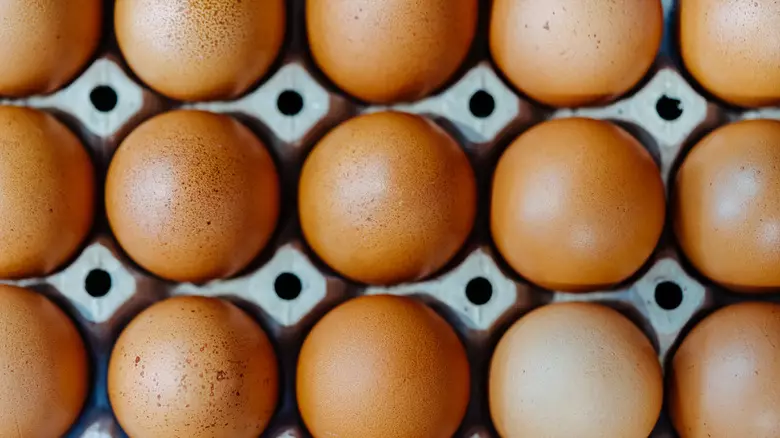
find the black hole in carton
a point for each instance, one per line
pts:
(669, 108)
(103, 98)
(288, 286)
(668, 295)
(482, 104)
(289, 102)
(98, 283)
(479, 290)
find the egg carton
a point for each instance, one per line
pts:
(288, 289)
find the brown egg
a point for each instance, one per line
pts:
(725, 377)
(578, 204)
(387, 51)
(192, 196)
(200, 50)
(381, 366)
(47, 193)
(575, 370)
(573, 53)
(732, 48)
(44, 373)
(193, 367)
(387, 198)
(727, 206)
(46, 43)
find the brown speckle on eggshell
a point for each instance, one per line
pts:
(574, 53)
(44, 370)
(387, 198)
(193, 367)
(575, 370)
(47, 193)
(387, 51)
(45, 43)
(200, 49)
(577, 204)
(381, 366)
(192, 196)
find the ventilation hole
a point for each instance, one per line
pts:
(289, 102)
(668, 295)
(288, 286)
(669, 108)
(479, 290)
(103, 98)
(482, 104)
(98, 283)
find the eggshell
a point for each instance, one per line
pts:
(727, 206)
(193, 367)
(573, 53)
(575, 370)
(47, 193)
(381, 366)
(200, 50)
(732, 48)
(44, 373)
(386, 51)
(387, 198)
(46, 43)
(192, 196)
(578, 204)
(725, 377)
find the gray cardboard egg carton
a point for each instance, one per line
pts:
(476, 292)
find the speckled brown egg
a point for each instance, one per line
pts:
(732, 48)
(47, 193)
(46, 43)
(44, 372)
(200, 49)
(193, 367)
(578, 204)
(387, 198)
(192, 196)
(573, 53)
(575, 370)
(727, 206)
(381, 366)
(385, 51)
(724, 379)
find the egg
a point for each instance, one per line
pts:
(44, 370)
(200, 50)
(387, 198)
(574, 53)
(390, 50)
(732, 48)
(575, 369)
(725, 377)
(193, 367)
(46, 43)
(192, 196)
(47, 193)
(380, 366)
(727, 206)
(577, 204)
